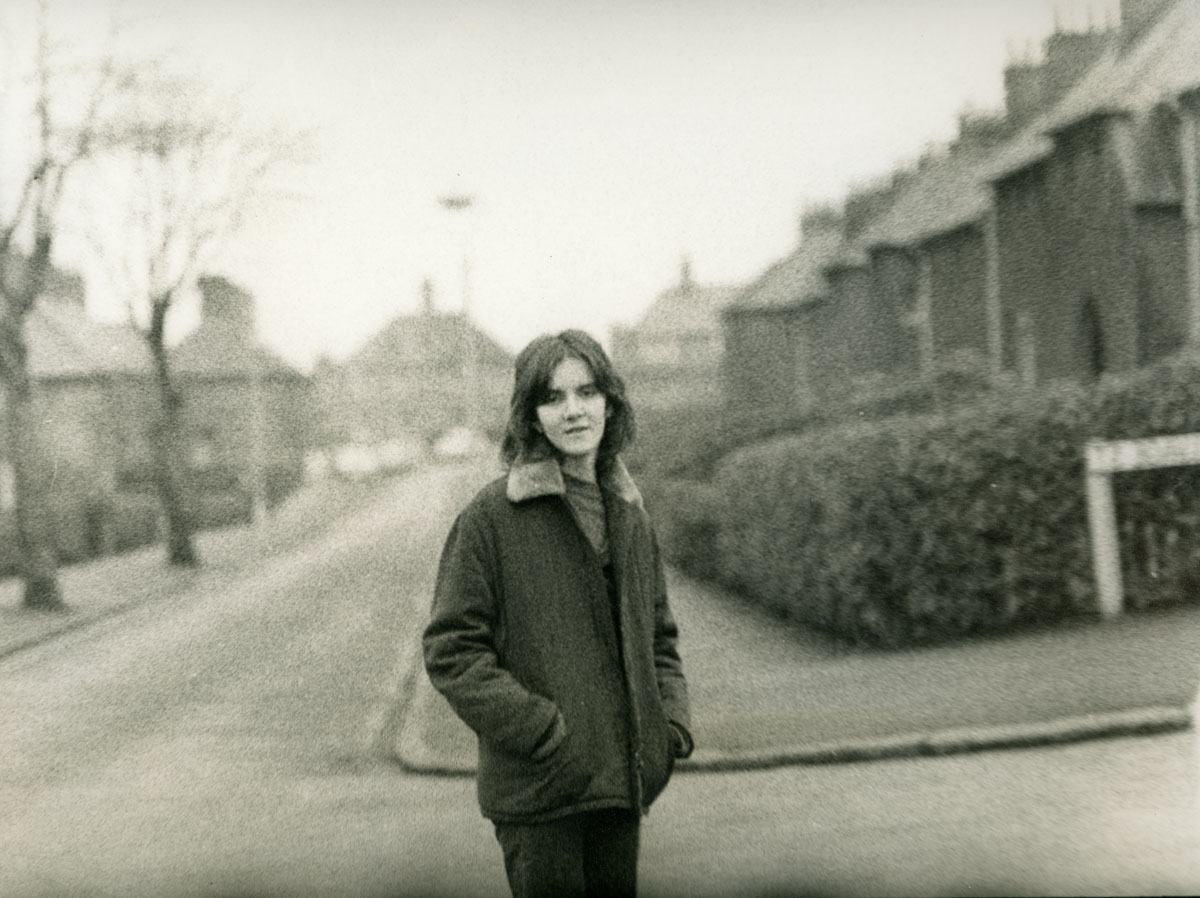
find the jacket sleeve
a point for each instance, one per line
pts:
(668, 668)
(460, 647)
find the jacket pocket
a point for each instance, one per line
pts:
(658, 761)
(515, 785)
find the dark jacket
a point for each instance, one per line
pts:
(571, 702)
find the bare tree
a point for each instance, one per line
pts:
(189, 167)
(55, 111)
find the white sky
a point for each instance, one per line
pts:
(603, 141)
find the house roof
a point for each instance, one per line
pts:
(224, 345)
(429, 340)
(947, 192)
(688, 307)
(1161, 65)
(849, 254)
(64, 343)
(211, 352)
(796, 279)
(1029, 147)
(215, 351)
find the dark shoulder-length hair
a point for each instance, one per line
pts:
(532, 373)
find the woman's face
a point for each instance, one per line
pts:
(572, 417)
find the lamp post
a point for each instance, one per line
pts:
(258, 439)
(462, 203)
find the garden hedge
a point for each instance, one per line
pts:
(921, 528)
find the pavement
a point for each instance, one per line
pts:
(104, 587)
(765, 692)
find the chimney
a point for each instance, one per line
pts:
(866, 204)
(1137, 16)
(427, 297)
(226, 306)
(1024, 94)
(685, 275)
(1069, 55)
(820, 219)
(981, 130)
(65, 288)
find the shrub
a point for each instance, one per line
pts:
(133, 521)
(212, 509)
(280, 481)
(688, 442)
(921, 528)
(686, 522)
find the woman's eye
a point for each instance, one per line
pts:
(588, 391)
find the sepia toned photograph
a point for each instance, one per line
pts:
(677, 448)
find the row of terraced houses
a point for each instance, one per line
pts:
(251, 421)
(1059, 238)
(248, 419)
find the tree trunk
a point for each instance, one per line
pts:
(37, 558)
(181, 548)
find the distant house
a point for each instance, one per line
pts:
(929, 254)
(772, 361)
(672, 357)
(907, 275)
(247, 413)
(423, 374)
(93, 407)
(936, 251)
(860, 335)
(1098, 212)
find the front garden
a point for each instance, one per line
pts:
(953, 510)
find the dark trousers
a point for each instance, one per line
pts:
(588, 855)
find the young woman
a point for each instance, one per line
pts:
(551, 636)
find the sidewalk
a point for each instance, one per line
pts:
(766, 693)
(107, 586)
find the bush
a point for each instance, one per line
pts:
(687, 443)
(1159, 510)
(212, 509)
(8, 545)
(684, 516)
(133, 521)
(88, 525)
(922, 528)
(280, 481)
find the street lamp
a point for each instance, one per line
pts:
(462, 203)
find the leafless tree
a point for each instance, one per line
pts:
(53, 115)
(189, 168)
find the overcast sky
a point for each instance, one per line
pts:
(602, 141)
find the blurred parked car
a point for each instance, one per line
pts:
(461, 443)
(401, 453)
(355, 461)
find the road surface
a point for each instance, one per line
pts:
(234, 742)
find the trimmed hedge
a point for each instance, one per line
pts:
(88, 526)
(917, 529)
(688, 442)
(684, 513)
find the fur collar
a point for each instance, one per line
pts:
(531, 479)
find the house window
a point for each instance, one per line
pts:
(8, 486)
(1026, 348)
(661, 353)
(202, 453)
(1161, 150)
(1092, 332)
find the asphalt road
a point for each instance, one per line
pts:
(236, 742)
